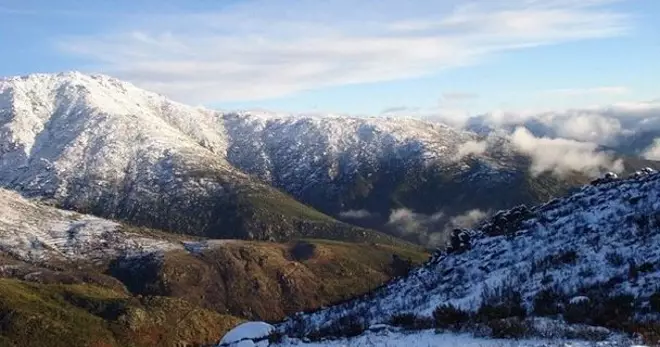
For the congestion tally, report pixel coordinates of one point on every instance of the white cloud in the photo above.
(467, 219)
(431, 230)
(260, 49)
(399, 109)
(471, 148)
(653, 152)
(588, 91)
(562, 156)
(458, 96)
(355, 214)
(587, 127)
(609, 125)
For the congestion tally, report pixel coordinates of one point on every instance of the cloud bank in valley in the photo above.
(652, 152)
(609, 126)
(430, 230)
(570, 140)
(355, 214)
(562, 156)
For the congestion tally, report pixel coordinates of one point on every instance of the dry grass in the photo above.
(261, 280)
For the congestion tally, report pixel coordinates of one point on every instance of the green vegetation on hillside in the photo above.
(41, 315)
(188, 299)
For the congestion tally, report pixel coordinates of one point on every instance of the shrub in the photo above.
(615, 259)
(578, 312)
(400, 266)
(568, 257)
(615, 312)
(588, 333)
(275, 337)
(555, 261)
(509, 328)
(654, 302)
(548, 302)
(633, 272)
(303, 250)
(612, 312)
(450, 317)
(500, 303)
(347, 326)
(650, 332)
(646, 267)
(403, 320)
(547, 279)
(410, 321)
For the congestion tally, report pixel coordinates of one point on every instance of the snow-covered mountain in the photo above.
(597, 244)
(106, 147)
(337, 163)
(102, 146)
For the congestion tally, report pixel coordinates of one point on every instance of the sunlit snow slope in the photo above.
(605, 235)
(37, 233)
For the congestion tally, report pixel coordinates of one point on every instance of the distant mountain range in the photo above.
(105, 147)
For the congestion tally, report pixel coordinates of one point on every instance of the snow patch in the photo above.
(250, 334)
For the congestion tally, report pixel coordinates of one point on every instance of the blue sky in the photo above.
(366, 57)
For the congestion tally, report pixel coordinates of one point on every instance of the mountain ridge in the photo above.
(102, 146)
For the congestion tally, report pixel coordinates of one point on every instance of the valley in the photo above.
(128, 219)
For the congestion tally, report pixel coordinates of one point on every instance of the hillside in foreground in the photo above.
(588, 259)
(69, 279)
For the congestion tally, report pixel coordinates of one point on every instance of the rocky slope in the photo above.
(590, 257)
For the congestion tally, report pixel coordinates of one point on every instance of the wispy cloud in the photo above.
(588, 91)
(261, 49)
(458, 96)
(61, 12)
(399, 109)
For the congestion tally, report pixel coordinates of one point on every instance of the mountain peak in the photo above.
(66, 77)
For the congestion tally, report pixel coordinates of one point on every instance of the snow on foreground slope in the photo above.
(595, 236)
(36, 233)
(256, 334)
(430, 338)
